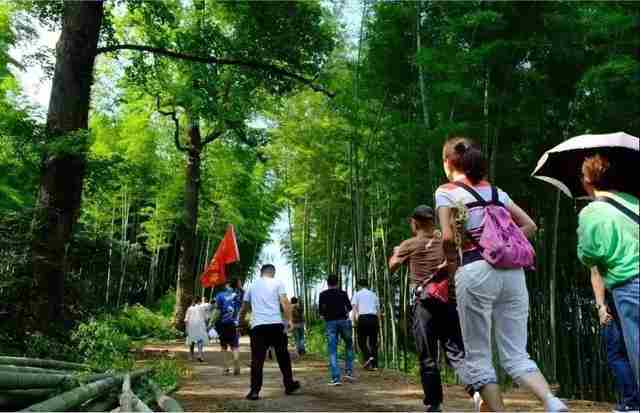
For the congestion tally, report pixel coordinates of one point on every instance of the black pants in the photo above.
(368, 338)
(435, 322)
(263, 337)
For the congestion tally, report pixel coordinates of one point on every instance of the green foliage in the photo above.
(139, 322)
(167, 373)
(105, 341)
(166, 304)
(40, 346)
(316, 339)
(74, 143)
(103, 346)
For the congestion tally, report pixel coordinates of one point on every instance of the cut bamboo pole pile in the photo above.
(50, 385)
(76, 397)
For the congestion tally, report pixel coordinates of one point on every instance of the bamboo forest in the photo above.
(141, 141)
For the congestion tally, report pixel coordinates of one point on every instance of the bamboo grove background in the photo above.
(511, 76)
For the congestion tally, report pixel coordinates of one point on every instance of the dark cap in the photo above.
(422, 213)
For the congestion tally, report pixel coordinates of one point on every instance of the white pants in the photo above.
(491, 297)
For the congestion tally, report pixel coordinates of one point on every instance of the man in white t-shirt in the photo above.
(267, 299)
(366, 312)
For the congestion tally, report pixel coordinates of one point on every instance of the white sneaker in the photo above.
(477, 400)
(368, 363)
(334, 383)
(554, 404)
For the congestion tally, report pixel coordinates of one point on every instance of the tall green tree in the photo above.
(220, 99)
(83, 27)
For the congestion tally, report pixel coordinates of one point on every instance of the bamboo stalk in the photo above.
(73, 398)
(15, 399)
(166, 403)
(102, 405)
(14, 380)
(43, 363)
(126, 402)
(138, 405)
(28, 369)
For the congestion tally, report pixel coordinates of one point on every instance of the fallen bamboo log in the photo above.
(125, 396)
(27, 369)
(74, 398)
(166, 403)
(16, 399)
(129, 402)
(138, 405)
(45, 363)
(14, 380)
(101, 404)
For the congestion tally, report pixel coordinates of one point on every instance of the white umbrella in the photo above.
(561, 166)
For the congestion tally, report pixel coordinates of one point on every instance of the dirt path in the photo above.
(206, 389)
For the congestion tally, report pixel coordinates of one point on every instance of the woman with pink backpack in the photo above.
(485, 236)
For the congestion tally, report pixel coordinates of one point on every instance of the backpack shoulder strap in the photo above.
(635, 217)
(479, 200)
(495, 198)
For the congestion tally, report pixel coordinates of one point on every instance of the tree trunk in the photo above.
(62, 174)
(423, 89)
(485, 108)
(187, 231)
(552, 289)
(113, 219)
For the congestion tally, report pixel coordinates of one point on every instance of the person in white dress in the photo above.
(196, 329)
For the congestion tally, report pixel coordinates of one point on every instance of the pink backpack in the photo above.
(502, 243)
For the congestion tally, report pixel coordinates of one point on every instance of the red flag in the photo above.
(227, 252)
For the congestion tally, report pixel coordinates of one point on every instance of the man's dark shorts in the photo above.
(229, 336)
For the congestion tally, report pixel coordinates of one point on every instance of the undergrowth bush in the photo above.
(139, 322)
(40, 346)
(167, 373)
(166, 304)
(104, 342)
(102, 346)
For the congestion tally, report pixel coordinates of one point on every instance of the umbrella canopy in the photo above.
(561, 166)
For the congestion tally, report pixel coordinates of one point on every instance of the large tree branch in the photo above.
(251, 64)
(174, 117)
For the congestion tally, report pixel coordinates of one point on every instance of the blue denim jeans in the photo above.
(337, 329)
(298, 335)
(627, 300)
(618, 362)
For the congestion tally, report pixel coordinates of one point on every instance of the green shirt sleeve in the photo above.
(594, 235)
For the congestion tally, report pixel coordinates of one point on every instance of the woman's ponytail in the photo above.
(466, 157)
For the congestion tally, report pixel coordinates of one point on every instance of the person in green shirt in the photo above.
(609, 239)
